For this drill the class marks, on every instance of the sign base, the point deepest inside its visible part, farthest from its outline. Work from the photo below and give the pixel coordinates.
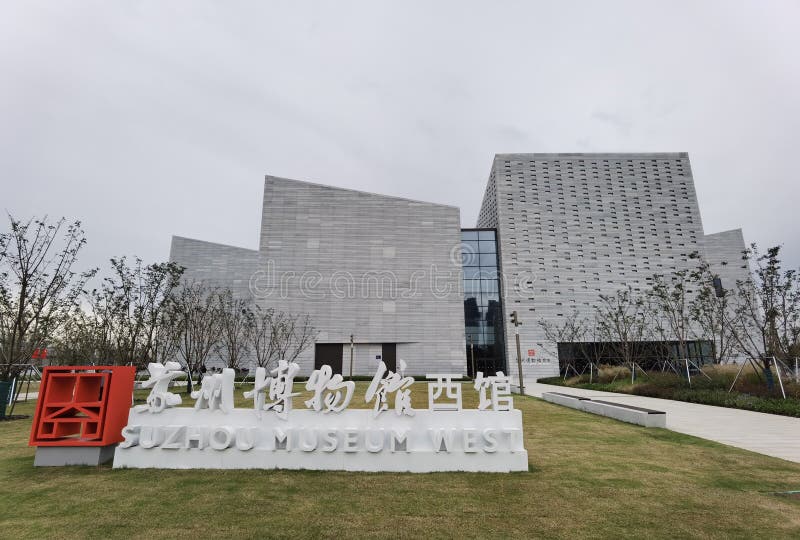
(352, 440)
(57, 456)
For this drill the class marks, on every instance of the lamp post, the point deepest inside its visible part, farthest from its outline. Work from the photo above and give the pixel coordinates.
(351, 356)
(472, 356)
(515, 321)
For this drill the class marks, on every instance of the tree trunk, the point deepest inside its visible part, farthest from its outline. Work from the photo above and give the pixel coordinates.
(766, 366)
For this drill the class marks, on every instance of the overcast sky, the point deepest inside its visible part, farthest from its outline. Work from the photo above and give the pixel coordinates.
(148, 119)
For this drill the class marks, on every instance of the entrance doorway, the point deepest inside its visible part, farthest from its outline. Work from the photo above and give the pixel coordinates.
(389, 356)
(328, 354)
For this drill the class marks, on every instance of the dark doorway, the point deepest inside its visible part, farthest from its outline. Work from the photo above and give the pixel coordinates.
(328, 354)
(389, 356)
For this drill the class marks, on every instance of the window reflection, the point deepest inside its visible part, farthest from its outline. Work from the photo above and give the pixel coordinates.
(483, 314)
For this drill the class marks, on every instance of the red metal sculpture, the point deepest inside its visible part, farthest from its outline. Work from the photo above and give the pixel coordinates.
(82, 405)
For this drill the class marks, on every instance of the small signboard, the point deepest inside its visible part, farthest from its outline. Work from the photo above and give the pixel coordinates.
(531, 353)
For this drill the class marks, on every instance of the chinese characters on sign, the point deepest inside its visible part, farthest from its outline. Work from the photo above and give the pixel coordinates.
(380, 388)
(322, 381)
(331, 393)
(278, 388)
(321, 432)
(160, 376)
(500, 391)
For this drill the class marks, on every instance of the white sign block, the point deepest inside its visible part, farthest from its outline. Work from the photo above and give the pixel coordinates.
(350, 440)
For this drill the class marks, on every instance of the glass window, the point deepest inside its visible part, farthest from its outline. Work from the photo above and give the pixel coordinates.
(472, 272)
(470, 246)
(488, 273)
(471, 314)
(473, 286)
(488, 298)
(488, 259)
(489, 285)
(482, 313)
(469, 259)
(487, 247)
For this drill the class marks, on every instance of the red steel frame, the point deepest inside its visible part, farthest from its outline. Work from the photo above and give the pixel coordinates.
(82, 405)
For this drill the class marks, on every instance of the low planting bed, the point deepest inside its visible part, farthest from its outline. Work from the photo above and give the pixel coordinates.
(750, 393)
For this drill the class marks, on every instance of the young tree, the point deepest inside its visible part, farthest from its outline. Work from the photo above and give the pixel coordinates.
(38, 286)
(196, 315)
(167, 333)
(622, 321)
(571, 329)
(767, 310)
(671, 298)
(262, 337)
(711, 311)
(293, 334)
(131, 303)
(80, 340)
(237, 322)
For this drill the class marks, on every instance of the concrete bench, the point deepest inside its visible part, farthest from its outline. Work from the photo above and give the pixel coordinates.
(627, 413)
(618, 411)
(567, 400)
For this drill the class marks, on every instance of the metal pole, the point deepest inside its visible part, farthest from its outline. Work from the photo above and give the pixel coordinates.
(688, 375)
(519, 362)
(796, 372)
(28, 389)
(700, 369)
(737, 377)
(351, 356)
(472, 357)
(778, 371)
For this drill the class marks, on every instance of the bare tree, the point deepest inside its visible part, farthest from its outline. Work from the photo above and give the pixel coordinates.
(38, 287)
(131, 303)
(622, 321)
(711, 310)
(78, 341)
(767, 310)
(262, 338)
(293, 334)
(671, 299)
(237, 321)
(571, 329)
(594, 345)
(167, 333)
(195, 312)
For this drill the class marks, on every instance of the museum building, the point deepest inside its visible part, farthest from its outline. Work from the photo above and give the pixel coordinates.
(403, 278)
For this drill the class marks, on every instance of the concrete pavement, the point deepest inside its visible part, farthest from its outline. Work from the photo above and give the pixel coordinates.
(769, 434)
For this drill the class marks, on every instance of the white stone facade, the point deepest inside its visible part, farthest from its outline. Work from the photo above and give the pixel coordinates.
(574, 226)
(384, 269)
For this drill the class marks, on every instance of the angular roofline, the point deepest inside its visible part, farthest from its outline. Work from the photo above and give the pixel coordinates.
(597, 155)
(727, 231)
(316, 184)
(176, 237)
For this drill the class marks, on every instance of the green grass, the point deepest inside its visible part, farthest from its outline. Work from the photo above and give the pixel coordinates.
(590, 477)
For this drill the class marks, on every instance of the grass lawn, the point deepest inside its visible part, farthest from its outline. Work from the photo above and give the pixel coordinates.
(590, 477)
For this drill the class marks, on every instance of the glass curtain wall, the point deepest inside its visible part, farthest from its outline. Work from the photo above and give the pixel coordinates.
(483, 310)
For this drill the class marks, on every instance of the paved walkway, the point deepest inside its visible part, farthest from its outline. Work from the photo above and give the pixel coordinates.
(769, 434)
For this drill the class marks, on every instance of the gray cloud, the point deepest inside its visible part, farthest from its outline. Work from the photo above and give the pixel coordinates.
(147, 119)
